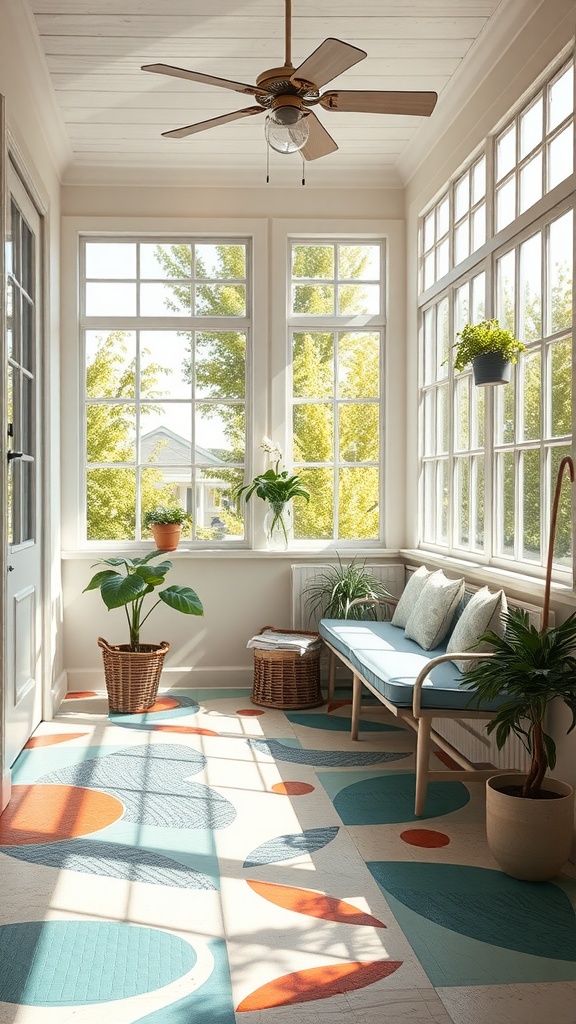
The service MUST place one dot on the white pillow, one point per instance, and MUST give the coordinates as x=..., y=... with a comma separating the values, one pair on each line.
x=409, y=596
x=484, y=611
x=432, y=614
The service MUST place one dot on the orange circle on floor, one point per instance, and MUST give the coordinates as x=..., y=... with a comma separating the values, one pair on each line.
x=292, y=788
x=45, y=814
x=250, y=712
x=161, y=704
x=425, y=837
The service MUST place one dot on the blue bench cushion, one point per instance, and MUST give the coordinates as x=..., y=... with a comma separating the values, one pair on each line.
x=390, y=662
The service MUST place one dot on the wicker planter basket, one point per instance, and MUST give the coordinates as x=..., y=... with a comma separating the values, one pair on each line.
x=287, y=679
x=132, y=677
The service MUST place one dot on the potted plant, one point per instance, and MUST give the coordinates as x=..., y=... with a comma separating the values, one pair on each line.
x=277, y=487
x=331, y=592
x=490, y=348
x=132, y=671
x=165, y=522
x=530, y=821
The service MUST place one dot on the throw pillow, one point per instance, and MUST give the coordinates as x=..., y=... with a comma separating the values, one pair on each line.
x=484, y=611
x=409, y=596
x=432, y=614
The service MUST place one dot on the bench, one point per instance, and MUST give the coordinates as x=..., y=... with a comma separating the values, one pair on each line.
x=415, y=685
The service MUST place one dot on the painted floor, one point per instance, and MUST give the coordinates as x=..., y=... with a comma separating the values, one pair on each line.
x=211, y=862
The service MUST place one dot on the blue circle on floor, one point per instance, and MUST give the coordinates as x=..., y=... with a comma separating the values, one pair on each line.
x=387, y=799
x=70, y=963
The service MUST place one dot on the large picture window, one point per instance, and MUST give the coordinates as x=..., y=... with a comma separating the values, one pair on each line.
x=336, y=329
x=489, y=456
x=165, y=328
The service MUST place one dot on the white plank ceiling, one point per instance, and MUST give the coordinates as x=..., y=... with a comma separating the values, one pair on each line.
x=114, y=113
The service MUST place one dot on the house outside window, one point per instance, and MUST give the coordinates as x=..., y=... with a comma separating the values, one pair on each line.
x=166, y=325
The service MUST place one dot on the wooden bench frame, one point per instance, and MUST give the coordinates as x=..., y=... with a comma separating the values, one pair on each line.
x=418, y=719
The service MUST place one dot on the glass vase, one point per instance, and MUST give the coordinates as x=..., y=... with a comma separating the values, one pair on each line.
x=278, y=524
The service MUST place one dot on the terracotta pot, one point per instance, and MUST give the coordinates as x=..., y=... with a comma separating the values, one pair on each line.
x=166, y=535
x=529, y=839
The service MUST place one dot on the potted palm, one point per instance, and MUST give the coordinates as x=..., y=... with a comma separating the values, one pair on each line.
x=277, y=487
x=165, y=523
x=491, y=349
x=132, y=671
x=529, y=820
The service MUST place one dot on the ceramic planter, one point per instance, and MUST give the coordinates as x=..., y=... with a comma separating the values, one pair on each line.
x=529, y=839
x=491, y=368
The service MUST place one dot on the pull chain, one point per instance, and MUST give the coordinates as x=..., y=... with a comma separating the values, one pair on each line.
x=303, y=173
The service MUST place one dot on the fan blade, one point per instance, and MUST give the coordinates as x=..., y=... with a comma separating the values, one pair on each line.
x=197, y=76
x=319, y=143
x=418, y=103
x=201, y=126
x=330, y=59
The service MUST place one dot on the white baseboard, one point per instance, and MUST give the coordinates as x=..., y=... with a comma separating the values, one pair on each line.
x=79, y=679
x=5, y=789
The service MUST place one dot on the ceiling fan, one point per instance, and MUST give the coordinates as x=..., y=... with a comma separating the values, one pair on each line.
x=288, y=94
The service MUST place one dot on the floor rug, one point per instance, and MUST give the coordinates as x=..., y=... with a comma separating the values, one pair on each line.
x=210, y=862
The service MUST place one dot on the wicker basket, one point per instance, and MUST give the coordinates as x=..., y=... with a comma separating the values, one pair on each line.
x=132, y=677
x=287, y=679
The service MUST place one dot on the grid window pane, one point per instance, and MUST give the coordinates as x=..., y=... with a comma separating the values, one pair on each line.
x=505, y=152
x=561, y=98
x=561, y=157
x=531, y=505
x=560, y=261
x=531, y=182
x=531, y=127
x=506, y=204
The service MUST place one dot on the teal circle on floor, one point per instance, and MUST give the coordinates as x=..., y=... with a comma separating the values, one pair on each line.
x=70, y=963
x=333, y=723
x=388, y=798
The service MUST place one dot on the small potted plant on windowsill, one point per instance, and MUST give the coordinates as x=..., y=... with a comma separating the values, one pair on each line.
x=491, y=349
x=165, y=522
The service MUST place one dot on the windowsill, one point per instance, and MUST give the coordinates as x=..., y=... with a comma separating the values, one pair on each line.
x=302, y=554
x=517, y=584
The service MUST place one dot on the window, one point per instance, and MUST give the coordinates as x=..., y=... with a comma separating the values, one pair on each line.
x=455, y=226
x=534, y=152
x=490, y=456
x=336, y=322
x=165, y=328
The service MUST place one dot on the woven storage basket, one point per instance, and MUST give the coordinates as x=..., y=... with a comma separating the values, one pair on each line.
x=287, y=679
x=132, y=677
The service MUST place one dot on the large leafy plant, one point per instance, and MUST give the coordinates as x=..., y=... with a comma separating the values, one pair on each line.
x=131, y=580
x=330, y=592
x=527, y=670
x=487, y=336
x=276, y=486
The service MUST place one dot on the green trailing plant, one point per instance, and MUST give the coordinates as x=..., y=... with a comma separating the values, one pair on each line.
x=528, y=669
x=487, y=336
x=130, y=581
x=276, y=486
x=330, y=593
x=164, y=515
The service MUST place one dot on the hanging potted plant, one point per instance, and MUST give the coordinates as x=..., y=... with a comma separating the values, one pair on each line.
x=529, y=820
x=165, y=523
x=277, y=487
x=491, y=349
x=132, y=671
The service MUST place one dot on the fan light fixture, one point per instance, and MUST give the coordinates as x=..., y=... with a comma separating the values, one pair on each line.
x=286, y=129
